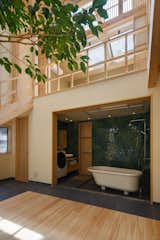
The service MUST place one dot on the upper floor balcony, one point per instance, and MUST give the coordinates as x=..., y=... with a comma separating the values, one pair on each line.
x=121, y=49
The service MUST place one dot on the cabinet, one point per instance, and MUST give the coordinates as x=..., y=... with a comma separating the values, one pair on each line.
x=62, y=138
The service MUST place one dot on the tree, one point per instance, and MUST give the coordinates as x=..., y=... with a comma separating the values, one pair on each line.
x=48, y=27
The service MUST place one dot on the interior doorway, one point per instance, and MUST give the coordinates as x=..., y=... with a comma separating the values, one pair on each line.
x=111, y=135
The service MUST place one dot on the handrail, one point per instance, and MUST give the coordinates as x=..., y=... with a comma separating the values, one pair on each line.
x=128, y=61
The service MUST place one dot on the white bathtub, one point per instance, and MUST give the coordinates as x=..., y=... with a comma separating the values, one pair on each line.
x=123, y=179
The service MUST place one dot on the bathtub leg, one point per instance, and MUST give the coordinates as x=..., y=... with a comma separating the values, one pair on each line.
x=103, y=188
x=126, y=193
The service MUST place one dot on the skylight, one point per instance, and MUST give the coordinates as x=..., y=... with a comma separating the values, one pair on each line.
x=127, y=5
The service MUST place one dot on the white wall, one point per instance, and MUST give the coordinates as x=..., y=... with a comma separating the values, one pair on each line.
x=40, y=123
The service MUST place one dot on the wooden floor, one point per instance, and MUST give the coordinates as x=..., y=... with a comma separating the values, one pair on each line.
x=34, y=216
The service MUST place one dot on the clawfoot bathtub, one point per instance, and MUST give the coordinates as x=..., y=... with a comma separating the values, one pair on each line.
x=123, y=179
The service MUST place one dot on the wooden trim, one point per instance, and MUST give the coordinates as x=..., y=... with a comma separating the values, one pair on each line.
x=17, y=149
x=127, y=101
x=151, y=149
x=155, y=47
x=54, y=148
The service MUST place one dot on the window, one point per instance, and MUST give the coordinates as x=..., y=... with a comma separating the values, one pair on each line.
x=127, y=5
x=3, y=140
x=112, y=9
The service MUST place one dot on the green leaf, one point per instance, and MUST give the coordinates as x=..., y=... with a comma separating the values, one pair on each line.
x=85, y=58
x=32, y=49
x=36, y=52
x=83, y=66
x=73, y=51
x=102, y=13
x=75, y=64
x=29, y=72
x=1, y=61
x=70, y=66
x=47, y=2
x=38, y=78
x=7, y=67
x=18, y=68
x=98, y=3
x=99, y=28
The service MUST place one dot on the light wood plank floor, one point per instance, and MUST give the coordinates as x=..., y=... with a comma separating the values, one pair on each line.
x=34, y=216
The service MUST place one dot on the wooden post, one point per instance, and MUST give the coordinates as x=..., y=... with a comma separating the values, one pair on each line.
x=54, y=149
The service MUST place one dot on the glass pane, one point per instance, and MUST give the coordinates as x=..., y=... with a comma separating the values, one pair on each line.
x=127, y=5
x=118, y=47
x=112, y=13
x=130, y=43
x=97, y=73
x=96, y=55
x=111, y=3
x=3, y=140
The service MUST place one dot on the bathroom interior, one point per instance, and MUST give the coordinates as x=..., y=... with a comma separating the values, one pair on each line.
x=113, y=136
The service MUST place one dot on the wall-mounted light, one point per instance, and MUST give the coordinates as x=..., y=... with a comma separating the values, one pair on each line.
x=109, y=116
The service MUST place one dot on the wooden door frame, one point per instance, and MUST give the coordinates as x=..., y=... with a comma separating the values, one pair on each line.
x=79, y=145
x=54, y=147
x=126, y=101
x=17, y=150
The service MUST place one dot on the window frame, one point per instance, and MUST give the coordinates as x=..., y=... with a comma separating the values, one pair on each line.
x=2, y=153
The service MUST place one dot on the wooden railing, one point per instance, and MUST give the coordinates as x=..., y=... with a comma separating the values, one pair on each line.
x=121, y=55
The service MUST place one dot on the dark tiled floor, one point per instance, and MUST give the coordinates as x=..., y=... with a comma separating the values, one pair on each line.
x=9, y=188
x=86, y=182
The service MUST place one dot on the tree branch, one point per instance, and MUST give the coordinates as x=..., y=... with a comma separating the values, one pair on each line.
x=10, y=52
x=19, y=42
